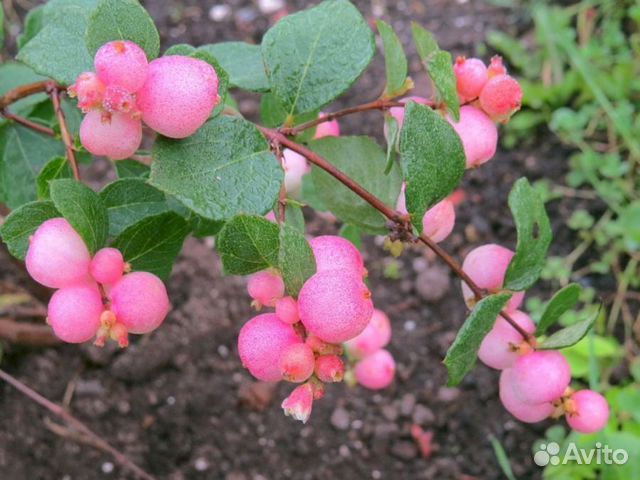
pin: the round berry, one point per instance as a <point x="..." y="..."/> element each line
<point x="329" y="368"/>
<point x="140" y="302"/>
<point x="328" y="129"/>
<point x="287" y="310"/>
<point x="375" y="336"/>
<point x="335" y="305"/>
<point x="261" y="343"/>
<point x="89" y="91"/>
<point x="376" y="371"/>
<point x="540" y="376"/>
<point x="487" y="266"/>
<point x="522" y="411"/>
<point x="74" y="313"/>
<point x="398" y="112"/>
<point x="113" y="135"/>
<point x="478" y="134"/>
<point x="439" y="220"/>
<point x="501" y="97"/>
<point x="471" y="75"/>
<point x="336" y="253"/>
<point x="107" y="266"/>
<point x="496" y="67"/>
<point x="590" y="412"/>
<point x="295" y="167"/>
<point x="265" y="288"/>
<point x="499" y="347"/>
<point x="178" y="96"/>
<point x="299" y="404"/>
<point x="122" y="63"/>
<point x="57" y="256"/>
<point x="297" y="362"/>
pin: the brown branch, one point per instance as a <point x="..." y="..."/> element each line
<point x="95" y="439"/>
<point x="27" y="123"/>
<point x="23" y="91"/>
<point x="24" y="333"/>
<point x="54" y="93"/>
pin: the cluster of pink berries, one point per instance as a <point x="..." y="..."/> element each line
<point x="96" y="297"/>
<point x="301" y="341"/>
<point x="174" y="95"/>
<point x="534" y="384"/>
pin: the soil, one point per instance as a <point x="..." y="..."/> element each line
<point x="178" y="401"/>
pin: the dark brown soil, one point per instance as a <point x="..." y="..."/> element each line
<point x="180" y="404"/>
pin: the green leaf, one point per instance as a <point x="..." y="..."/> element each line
<point x="352" y="234"/>
<point x="132" y="169"/>
<point x="224" y="169"/>
<point x="393" y="134"/>
<point x="295" y="259"/>
<point x="439" y="66"/>
<point x="248" y="244"/>
<point x="122" y="20"/>
<point x="293" y="215"/>
<point x="152" y="244"/>
<point x="273" y="115"/>
<point x="84" y="210"/>
<point x="363" y="160"/>
<point x="32" y="25"/>
<point x="23" y="154"/>
<point x="243" y="62"/>
<point x="203" y="227"/>
<point x="432" y="159"/>
<point x="570" y="335"/>
<point x="534" y="236"/>
<point x="1" y="25"/>
<point x="395" y="61"/>
<point x="14" y="74"/>
<point x="22" y="223"/>
<point x="563" y="301"/>
<point x="130" y="200"/>
<point x="314" y="56"/>
<point x="461" y="356"/>
<point x="58" y="51"/>
<point x="58" y="167"/>
<point x="180" y="49"/>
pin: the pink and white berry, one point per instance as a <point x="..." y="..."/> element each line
<point x="336" y="253"/>
<point x="74" y="312"/>
<point x="140" y="302"/>
<point x="297" y="362"/>
<point x="329" y="368"/>
<point x="287" y="310"/>
<point x="57" y="256"/>
<point x="471" y="75"/>
<point x="501" y="97"/>
<point x="540" y="376"/>
<point x="499" y="347"/>
<point x="261" y="343"/>
<point x="113" y="135"/>
<point x="265" y="288"/>
<point x="295" y="167"/>
<point x="89" y="91"/>
<point x="375" y="336"/>
<point x="590" y="411"/>
<point x="299" y="404"/>
<point x="178" y="95"/>
<point x="479" y="135"/>
<point x="522" y="411"/>
<point x="376" y="371"/>
<point x="439" y="220"/>
<point x="122" y="63"/>
<point x="107" y="266"/>
<point x="487" y="266"/>
<point x="328" y="129"/>
<point x="335" y="305"/>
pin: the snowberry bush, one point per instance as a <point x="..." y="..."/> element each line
<point x="207" y="171"/>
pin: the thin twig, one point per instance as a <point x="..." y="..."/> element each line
<point x="23" y="91"/>
<point x="57" y="410"/>
<point x="27" y="123"/>
<point x="54" y="93"/>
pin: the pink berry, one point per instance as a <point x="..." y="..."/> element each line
<point x="114" y="135"/>
<point x="501" y="97"/>
<point x="336" y="253"/>
<point x="375" y="336"/>
<point x="398" y="112"/>
<point x="335" y="305"/>
<point x="487" y="266"/>
<point x="140" y="302"/>
<point x="57" y="255"/>
<point x="590" y="412"/>
<point x="89" y="90"/>
<point x="107" y="266"/>
<point x="122" y="63"/>
<point x="117" y="99"/>
<point x="297" y="362"/>
<point x="321" y="347"/>
<point x="478" y="134"/>
<point x="540" y="376"/>
<point x="522" y="411"/>
<point x="376" y="371"/>
<point x="329" y="368"/>
<point x="287" y="310"/>
<point x="439" y="220"/>
<point x="179" y="95"/>
<point x="265" y="288"/>
<point x="295" y="167"/>
<point x="499" y="347"/>
<point x="496" y="67"/>
<point x="261" y="344"/>
<point x="74" y="313"/>
<point x="471" y="75"/>
<point x="328" y="129"/>
<point x="299" y="404"/>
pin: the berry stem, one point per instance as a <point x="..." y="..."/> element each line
<point x="27" y="123"/>
<point x="54" y="93"/>
<point x="57" y="410"/>
<point x="23" y="91"/>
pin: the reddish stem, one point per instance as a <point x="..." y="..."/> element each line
<point x="23" y="91"/>
<point x="27" y="123"/>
